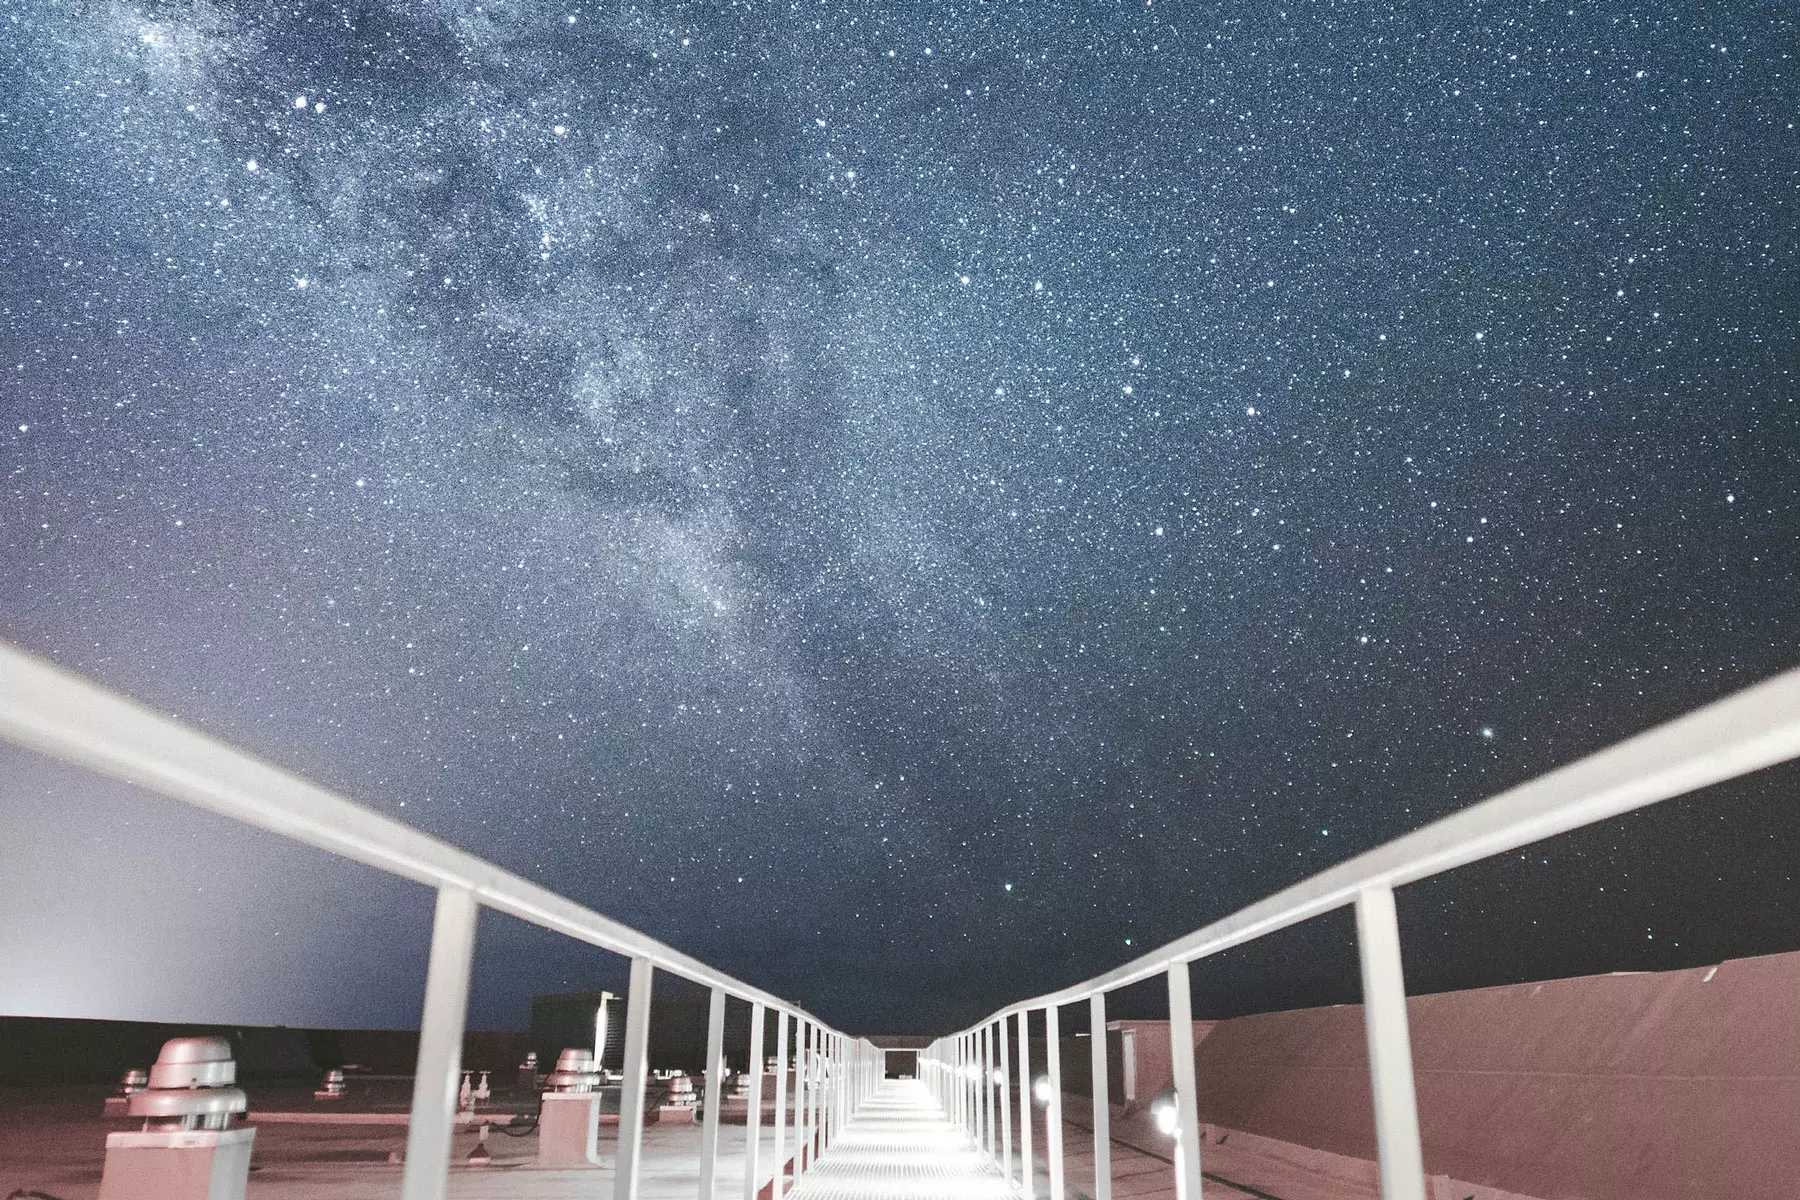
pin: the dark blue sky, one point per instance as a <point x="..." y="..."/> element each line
<point x="899" y="500"/>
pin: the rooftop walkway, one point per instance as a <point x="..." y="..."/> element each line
<point x="900" y="1147"/>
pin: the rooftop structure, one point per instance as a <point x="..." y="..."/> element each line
<point x="851" y="1132"/>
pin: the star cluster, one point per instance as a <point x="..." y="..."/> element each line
<point x="914" y="503"/>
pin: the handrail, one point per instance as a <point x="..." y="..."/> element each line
<point x="48" y="709"/>
<point x="59" y="713"/>
<point x="1744" y="732"/>
<point x="1755" y="728"/>
<point x="51" y="710"/>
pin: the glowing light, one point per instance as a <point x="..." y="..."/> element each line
<point x="1164" y="1112"/>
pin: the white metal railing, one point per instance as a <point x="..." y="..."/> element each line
<point x="1755" y="728"/>
<point x="53" y="711"/>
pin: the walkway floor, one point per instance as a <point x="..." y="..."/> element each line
<point x="900" y="1147"/>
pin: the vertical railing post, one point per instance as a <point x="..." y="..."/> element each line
<point x="817" y="1143"/>
<point x="635" y="1080"/>
<point x="1006" y="1135"/>
<point x="974" y="1077"/>
<point x="439" y="1073"/>
<point x="715" y="1085"/>
<point x="959" y="1080"/>
<point x="971" y="1075"/>
<point x="1102" y="1101"/>
<point x="1053" y="1130"/>
<point x="1027" y="1168"/>
<point x="828" y="1095"/>
<point x="1187" y="1093"/>
<point x="1390" y="1047"/>
<point x="781" y="1103"/>
<point x="753" y="1115"/>
<point x="987" y="1096"/>
<point x="802" y="1041"/>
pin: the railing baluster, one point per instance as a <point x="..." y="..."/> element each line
<point x="987" y="1095"/>
<point x="1390" y="1047"/>
<point x="814" y="1036"/>
<point x="1027" y="1168"/>
<point x="1187" y="1092"/>
<point x="1006" y="1134"/>
<point x="833" y="1093"/>
<point x="709" y="1117"/>
<point x="1053" y="1130"/>
<point x="781" y="1103"/>
<point x="439" y="1073"/>
<point x="753" y="1114"/>
<point x="1102" y="1111"/>
<point x="636" y="1078"/>
<point x="802" y="1129"/>
<point x="817" y="1143"/>
<point x="960" y="1081"/>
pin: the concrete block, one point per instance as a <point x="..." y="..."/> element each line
<point x="192" y="1164"/>
<point x="569" y="1129"/>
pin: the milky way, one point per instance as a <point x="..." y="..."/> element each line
<point x="911" y="503"/>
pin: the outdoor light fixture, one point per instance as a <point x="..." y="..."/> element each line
<point x="1040" y="1091"/>
<point x="999" y="1077"/>
<point x="971" y="1072"/>
<point x="1164" y="1110"/>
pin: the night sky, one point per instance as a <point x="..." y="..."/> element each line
<point x="912" y="503"/>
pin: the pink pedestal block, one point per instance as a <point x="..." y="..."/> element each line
<point x="569" y="1129"/>
<point x="201" y="1164"/>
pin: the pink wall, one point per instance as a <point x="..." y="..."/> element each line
<point x="1153" y="1069"/>
<point x="1665" y="1086"/>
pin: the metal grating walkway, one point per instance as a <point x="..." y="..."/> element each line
<point x="900" y="1147"/>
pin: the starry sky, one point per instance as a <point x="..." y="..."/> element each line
<point x="910" y="503"/>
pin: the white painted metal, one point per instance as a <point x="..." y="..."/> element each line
<point x="753" y="1115"/>
<point x="1187" y="1092"/>
<point x="987" y="1095"/>
<point x="818" y="1092"/>
<point x="1027" y="1168"/>
<point x="439" y="1075"/>
<point x="1053" y="1115"/>
<point x="1006" y="1134"/>
<point x="781" y="1104"/>
<point x="637" y="1074"/>
<point x="715" y="1087"/>
<point x="971" y="1070"/>
<point x="800" y="1034"/>
<point x="827" y="1091"/>
<point x="1102" y="1111"/>
<point x="1390" y="1047"/>
<point x="958" y="1081"/>
<point x="55" y="712"/>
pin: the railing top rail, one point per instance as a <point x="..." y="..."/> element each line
<point x="51" y="710"/>
<point x="1744" y="732"/>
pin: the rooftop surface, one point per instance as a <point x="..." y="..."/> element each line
<point x="898" y="1147"/>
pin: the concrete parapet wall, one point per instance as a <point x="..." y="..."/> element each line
<point x="1661" y="1086"/>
